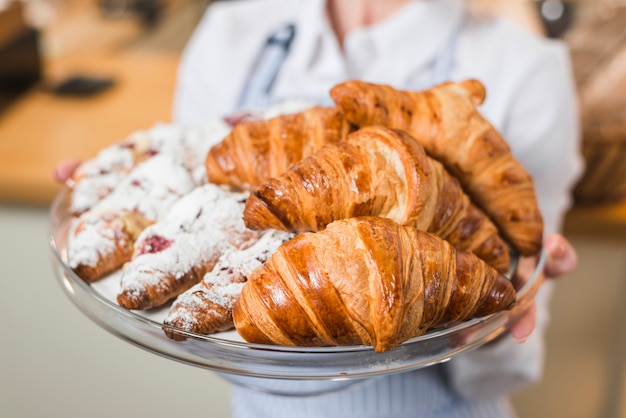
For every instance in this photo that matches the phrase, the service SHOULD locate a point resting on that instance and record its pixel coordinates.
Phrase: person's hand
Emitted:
(561, 259)
(64, 170)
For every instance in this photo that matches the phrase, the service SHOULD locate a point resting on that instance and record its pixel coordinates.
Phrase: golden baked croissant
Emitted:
(365, 281)
(447, 123)
(256, 150)
(376, 171)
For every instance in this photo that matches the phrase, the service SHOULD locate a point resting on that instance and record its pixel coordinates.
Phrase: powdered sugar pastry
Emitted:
(102, 238)
(175, 253)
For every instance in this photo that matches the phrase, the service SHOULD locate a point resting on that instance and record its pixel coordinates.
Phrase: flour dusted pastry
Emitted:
(376, 171)
(96, 178)
(175, 253)
(207, 307)
(259, 149)
(365, 281)
(447, 123)
(101, 239)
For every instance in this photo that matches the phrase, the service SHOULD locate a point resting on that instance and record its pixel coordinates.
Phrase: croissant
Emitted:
(101, 239)
(376, 171)
(447, 123)
(207, 306)
(174, 253)
(365, 281)
(256, 150)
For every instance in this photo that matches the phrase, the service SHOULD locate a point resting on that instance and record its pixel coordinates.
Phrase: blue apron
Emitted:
(257, 92)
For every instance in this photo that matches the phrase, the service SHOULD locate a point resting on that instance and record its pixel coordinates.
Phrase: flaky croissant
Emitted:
(376, 171)
(449, 126)
(256, 150)
(365, 281)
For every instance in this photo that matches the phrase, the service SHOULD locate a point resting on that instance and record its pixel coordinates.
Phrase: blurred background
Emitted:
(76, 76)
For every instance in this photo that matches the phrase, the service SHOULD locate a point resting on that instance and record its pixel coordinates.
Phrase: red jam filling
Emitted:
(154, 244)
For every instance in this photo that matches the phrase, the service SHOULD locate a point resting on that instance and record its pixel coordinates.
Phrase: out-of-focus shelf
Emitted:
(605, 220)
(40, 129)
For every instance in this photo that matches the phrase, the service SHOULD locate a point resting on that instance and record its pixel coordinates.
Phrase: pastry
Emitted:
(101, 239)
(207, 307)
(175, 253)
(365, 281)
(256, 150)
(447, 123)
(94, 179)
(376, 171)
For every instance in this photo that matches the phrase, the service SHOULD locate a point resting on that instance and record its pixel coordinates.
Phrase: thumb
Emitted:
(64, 170)
(561, 256)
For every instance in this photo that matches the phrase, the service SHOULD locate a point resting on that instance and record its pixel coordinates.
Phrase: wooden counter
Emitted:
(41, 129)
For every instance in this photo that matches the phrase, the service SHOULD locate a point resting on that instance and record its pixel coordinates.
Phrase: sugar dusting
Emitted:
(96, 178)
(150, 190)
(222, 285)
(206, 221)
(200, 227)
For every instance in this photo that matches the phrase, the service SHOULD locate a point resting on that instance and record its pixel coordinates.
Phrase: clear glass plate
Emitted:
(293, 371)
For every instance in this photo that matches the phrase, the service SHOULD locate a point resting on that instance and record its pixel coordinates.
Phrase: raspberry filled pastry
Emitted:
(207, 307)
(101, 239)
(94, 179)
(175, 253)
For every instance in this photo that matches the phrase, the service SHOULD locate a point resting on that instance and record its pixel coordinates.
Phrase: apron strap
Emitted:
(441, 69)
(261, 80)
(442, 64)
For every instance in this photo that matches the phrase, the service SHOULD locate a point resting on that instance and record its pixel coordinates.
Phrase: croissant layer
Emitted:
(376, 171)
(446, 122)
(256, 150)
(365, 280)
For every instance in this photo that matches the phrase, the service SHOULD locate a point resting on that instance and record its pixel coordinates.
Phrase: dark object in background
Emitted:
(20, 60)
(556, 15)
(82, 86)
(148, 11)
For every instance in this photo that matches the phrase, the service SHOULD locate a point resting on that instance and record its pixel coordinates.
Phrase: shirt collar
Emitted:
(429, 24)
(315, 62)
(413, 37)
(314, 36)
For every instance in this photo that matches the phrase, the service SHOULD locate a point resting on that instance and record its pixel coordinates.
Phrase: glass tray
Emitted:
(292, 371)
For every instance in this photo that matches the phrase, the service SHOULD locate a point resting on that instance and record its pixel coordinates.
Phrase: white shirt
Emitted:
(531, 100)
